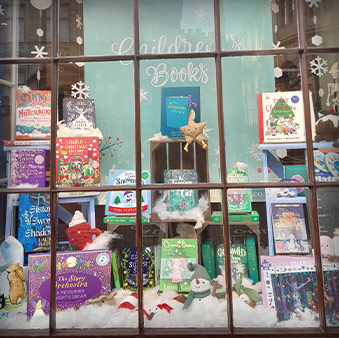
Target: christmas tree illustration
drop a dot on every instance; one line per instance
(281, 109)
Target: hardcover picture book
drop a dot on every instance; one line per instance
(183, 199)
(80, 275)
(34, 231)
(176, 103)
(33, 114)
(28, 166)
(289, 228)
(77, 162)
(79, 113)
(176, 253)
(129, 267)
(281, 117)
(326, 165)
(124, 202)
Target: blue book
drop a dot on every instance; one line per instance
(176, 103)
(124, 202)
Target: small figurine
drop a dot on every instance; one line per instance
(193, 131)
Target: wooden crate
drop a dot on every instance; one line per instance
(170, 154)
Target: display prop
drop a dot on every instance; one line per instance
(327, 127)
(326, 165)
(79, 113)
(80, 275)
(28, 167)
(124, 202)
(289, 228)
(281, 117)
(33, 114)
(77, 162)
(176, 103)
(34, 231)
(175, 255)
(129, 267)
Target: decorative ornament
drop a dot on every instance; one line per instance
(38, 75)
(275, 8)
(80, 90)
(319, 66)
(80, 64)
(315, 19)
(200, 15)
(317, 40)
(41, 4)
(39, 32)
(79, 40)
(193, 131)
(2, 10)
(39, 52)
(78, 21)
(321, 92)
(278, 72)
(277, 45)
(143, 94)
(312, 3)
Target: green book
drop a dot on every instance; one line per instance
(116, 263)
(238, 200)
(252, 260)
(126, 219)
(298, 173)
(208, 258)
(236, 218)
(176, 253)
(157, 263)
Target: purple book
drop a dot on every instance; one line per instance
(80, 275)
(28, 166)
(79, 113)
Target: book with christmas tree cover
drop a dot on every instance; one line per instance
(183, 199)
(79, 113)
(77, 162)
(238, 260)
(289, 228)
(27, 166)
(129, 268)
(123, 202)
(33, 114)
(238, 200)
(34, 231)
(176, 253)
(281, 117)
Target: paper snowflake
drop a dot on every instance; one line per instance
(39, 52)
(319, 66)
(78, 21)
(200, 14)
(206, 132)
(143, 94)
(80, 90)
(313, 3)
(255, 152)
(277, 45)
(2, 10)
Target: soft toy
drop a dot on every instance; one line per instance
(327, 247)
(327, 127)
(107, 298)
(185, 230)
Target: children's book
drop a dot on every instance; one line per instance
(80, 275)
(281, 117)
(252, 260)
(77, 162)
(176, 253)
(176, 103)
(33, 114)
(208, 257)
(297, 173)
(34, 231)
(28, 166)
(289, 228)
(326, 165)
(183, 199)
(79, 113)
(124, 202)
(129, 267)
(238, 200)
(116, 268)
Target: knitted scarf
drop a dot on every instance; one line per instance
(193, 295)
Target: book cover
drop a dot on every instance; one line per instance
(116, 268)
(34, 231)
(176, 102)
(326, 165)
(208, 258)
(183, 199)
(33, 114)
(27, 143)
(253, 217)
(126, 219)
(238, 260)
(129, 267)
(176, 253)
(79, 113)
(77, 162)
(238, 200)
(124, 202)
(289, 228)
(80, 275)
(28, 166)
(281, 117)
(252, 260)
(298, 173)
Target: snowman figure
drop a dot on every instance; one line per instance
(128, 195)
(200, 294)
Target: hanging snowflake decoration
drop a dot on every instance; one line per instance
(143, 94)
(255, 152)
(108, 146)
(312, 3)
(206, 131)
(277, 45)
(2, 10)
(39, 52)
(78, 21)
(80, 90)
(319, 66)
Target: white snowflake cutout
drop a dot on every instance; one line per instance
(80, 90)
(143, 94)
(78, 21)
(39, 52)
(314, 3)
(319, 66)
(206, 131)
(2, 10)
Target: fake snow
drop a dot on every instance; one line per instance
(64, 131)
(159, 137)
